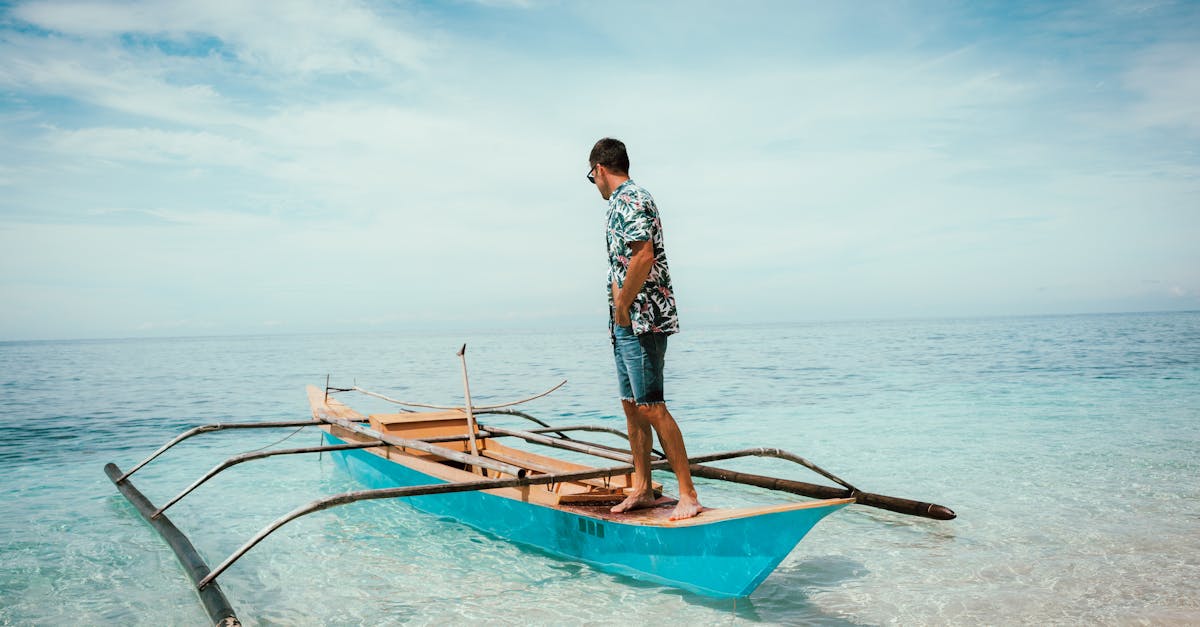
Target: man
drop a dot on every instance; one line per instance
(641, 315)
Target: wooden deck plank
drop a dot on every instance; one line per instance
(330, 405)
(659, 515)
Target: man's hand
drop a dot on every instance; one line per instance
(620, 310)
(640, 263)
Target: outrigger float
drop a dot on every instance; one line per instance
(461, 470)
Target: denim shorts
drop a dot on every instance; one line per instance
(640, 361)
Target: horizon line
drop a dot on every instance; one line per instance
(429, 330)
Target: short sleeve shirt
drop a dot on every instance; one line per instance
(633, 217)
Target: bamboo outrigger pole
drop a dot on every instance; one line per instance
(220, 426)
(253, 455)
(575, 445)
(349, 425)
(211, 597)
(811, 490)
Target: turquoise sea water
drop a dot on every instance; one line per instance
(1067, 445)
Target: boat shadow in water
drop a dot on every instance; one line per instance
(786, 596)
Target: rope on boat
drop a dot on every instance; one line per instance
(458, 407)
(280, 441)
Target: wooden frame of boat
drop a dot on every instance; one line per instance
(521, 495)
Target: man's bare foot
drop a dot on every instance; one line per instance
(637, 500)
(686, 509)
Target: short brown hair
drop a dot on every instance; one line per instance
(611, 154)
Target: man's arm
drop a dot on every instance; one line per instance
(640, 263)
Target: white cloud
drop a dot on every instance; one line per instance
(281, 36)
(150, 145)
(109, 78)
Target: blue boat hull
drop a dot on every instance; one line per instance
(724, 558)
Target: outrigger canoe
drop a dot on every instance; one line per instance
(721, 552)
(446, 463)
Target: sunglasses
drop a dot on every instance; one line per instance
(591, 177)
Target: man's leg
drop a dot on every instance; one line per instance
(640, 440)
(656, 415)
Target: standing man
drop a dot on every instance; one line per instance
(641, 315)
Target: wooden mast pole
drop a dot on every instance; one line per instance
(462, 354)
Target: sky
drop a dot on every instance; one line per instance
(224, 167)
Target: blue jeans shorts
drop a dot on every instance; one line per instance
(640, 361)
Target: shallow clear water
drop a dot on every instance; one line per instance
(1067, 445)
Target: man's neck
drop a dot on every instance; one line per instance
(611, 183)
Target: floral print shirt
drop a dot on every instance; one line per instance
(633, 217)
